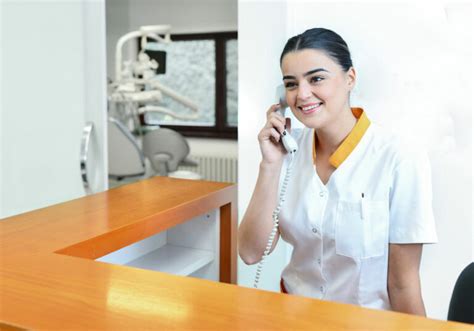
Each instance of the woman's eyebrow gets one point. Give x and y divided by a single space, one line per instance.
306 74
314 71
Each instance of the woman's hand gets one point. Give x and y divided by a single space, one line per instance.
269 137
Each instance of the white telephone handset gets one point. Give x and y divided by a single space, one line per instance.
288 141
291 147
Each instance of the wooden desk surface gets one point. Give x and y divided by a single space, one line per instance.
49 279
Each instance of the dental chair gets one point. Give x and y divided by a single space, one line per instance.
167 150
125 157
163 151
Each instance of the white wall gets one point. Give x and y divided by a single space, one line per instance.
186 16
117 24
53 81
413 78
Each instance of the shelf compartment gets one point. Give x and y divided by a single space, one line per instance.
174 259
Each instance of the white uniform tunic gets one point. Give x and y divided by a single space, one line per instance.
380 193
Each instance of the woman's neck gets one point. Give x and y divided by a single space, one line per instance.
331 137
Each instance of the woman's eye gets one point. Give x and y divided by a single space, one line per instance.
316 79
289 85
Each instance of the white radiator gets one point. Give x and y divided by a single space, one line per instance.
214 168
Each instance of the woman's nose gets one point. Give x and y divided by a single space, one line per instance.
304 91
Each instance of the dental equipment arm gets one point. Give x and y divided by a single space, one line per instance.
151 31
166 90
129 89
163 110
183 100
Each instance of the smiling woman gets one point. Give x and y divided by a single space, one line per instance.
358 206
327 78
330 73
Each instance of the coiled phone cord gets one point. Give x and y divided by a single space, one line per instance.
275 221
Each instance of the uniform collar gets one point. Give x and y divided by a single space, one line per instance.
351 141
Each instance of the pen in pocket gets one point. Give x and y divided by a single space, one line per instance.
363 211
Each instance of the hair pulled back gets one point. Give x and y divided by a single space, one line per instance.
324 40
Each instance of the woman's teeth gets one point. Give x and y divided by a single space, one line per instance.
310 109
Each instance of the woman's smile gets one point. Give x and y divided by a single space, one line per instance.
310 108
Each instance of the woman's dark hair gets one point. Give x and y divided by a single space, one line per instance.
321 39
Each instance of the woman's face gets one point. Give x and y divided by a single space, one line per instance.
317 88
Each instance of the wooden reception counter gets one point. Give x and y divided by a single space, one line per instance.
51 280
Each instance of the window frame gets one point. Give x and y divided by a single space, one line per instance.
220 130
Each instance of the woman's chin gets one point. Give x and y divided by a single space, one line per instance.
313 122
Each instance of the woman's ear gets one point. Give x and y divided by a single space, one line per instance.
351 78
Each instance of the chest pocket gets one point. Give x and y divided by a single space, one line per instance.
361 234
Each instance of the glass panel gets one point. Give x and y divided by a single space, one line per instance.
231 81
190 71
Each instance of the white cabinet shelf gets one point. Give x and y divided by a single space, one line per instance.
187 249
173 259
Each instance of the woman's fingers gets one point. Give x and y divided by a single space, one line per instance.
273 112
277 123
269 134
273 108
274 126
275 134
